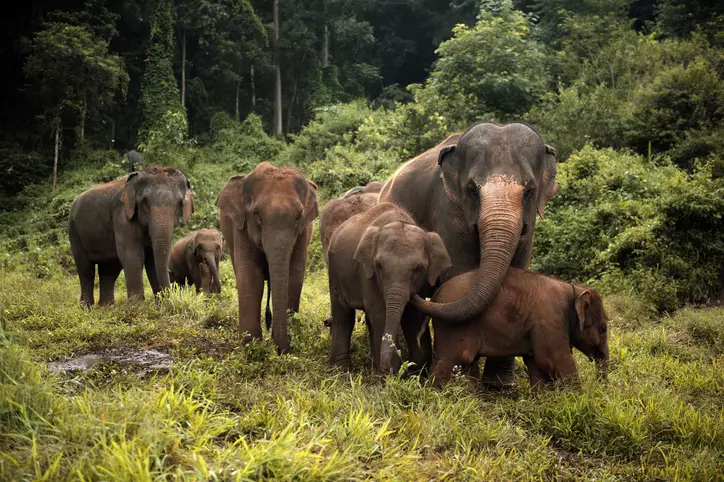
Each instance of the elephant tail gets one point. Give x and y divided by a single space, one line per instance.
268 313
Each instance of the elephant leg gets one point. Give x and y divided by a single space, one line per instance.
341 335
375 319
86 275
442 371
538 378
498 373
132 259
565 369
420 350
249 272
107 275
371 336
149 261
472 373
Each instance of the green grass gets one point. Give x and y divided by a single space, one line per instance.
223 412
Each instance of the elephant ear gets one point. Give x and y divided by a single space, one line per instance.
363 256
188 206
128 198
231 199
444 151
549 185
582 302
439 258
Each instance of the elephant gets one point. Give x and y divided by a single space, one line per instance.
480 191
127 224
195 259
267 219
377 261
372 187
135 159
534 316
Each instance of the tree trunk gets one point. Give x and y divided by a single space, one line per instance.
183 69
113 133
83 114
236 108
55 156
278 79
291 104
325 46
253 89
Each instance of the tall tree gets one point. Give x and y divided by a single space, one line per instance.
277 73
159 89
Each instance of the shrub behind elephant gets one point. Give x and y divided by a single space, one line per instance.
127 224
480 192
377 261
267 218
534 316
195 260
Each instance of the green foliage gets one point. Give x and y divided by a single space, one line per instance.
630 224
166 140
160 98
242 145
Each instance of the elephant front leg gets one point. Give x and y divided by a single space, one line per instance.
132 258
107 275
538 378
250 289
417 336
341 335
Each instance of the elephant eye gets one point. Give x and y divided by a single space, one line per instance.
299 216
603 329
418 269
473 190
257 215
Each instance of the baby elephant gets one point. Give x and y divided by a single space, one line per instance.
534 316
377 261
195 259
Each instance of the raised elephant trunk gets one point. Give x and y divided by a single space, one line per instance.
215 285
161 233
396 298
499 229
278 257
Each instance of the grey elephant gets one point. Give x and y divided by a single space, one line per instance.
377 261
127 225
195 260
480 191
267 218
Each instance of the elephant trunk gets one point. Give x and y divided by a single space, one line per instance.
499 229
279 257
161 233
601 359
396 298
215 285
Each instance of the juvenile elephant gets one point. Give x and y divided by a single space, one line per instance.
377 261
195 260
127 224
480 191
533 316
267 218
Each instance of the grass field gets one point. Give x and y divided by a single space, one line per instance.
222 412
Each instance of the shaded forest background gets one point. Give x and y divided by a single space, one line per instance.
629 93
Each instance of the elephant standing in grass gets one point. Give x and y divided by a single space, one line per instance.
195 259
480 191
127 224
534 316
377 261
267 218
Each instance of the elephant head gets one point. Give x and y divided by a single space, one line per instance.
156 198
207 246
401 257
589 328
273 205
499 177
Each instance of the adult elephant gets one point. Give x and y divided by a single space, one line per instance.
127 224
480 192
267 218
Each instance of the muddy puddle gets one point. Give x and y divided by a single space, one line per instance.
144 361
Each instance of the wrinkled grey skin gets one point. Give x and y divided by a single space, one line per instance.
377 261
480 191
195 260
127 224
267 218
135 159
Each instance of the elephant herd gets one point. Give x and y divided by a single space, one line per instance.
454 224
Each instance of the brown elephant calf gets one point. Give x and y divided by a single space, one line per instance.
195 260
533 316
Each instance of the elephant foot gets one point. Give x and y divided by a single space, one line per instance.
498 374
248 338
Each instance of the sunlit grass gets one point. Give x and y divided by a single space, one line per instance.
223 412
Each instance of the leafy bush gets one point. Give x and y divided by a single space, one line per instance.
242 145
629 224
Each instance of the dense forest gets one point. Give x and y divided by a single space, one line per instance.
628 93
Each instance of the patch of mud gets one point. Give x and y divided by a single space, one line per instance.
143 360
